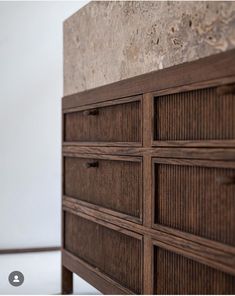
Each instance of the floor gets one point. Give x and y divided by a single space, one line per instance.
41 275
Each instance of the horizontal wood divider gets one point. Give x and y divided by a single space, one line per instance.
195 143
102 209
106 157
196 162
209 252
104 144
92 275
215 70
104 104
166 110
193 153
29 250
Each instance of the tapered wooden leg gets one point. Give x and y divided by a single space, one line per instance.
66 281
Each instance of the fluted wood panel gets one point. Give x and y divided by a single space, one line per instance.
117 123
155 216
202 114
197 200
175 274
113 253
114 184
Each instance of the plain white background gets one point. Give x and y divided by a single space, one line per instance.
31 84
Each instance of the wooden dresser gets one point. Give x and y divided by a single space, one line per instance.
148 203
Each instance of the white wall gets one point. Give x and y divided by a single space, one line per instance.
31 81
31 87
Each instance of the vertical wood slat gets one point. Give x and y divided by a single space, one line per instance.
192 199
176 274
116 123
195 115
116 185
115 254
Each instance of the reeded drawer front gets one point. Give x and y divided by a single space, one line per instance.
116 123
109 183
176 274
205 114
115 254
196 197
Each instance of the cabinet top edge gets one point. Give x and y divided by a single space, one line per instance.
215 67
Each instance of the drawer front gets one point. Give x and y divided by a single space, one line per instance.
116 123
196 199
114 253
112 184
176 274
205 114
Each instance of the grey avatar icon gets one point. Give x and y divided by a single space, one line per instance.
16 278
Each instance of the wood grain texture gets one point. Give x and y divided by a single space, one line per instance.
115 123
193 153
92 275
195 143
201 114
86 207
148 266
115 254
176 274
209 252
196 199
151 181
114 185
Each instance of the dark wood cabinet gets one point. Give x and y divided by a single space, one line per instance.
177 274
148 203
114 183
118 123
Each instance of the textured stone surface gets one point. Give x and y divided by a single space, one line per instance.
108 41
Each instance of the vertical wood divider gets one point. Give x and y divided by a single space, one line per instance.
147 104
148 266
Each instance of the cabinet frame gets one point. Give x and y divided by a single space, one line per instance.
215 70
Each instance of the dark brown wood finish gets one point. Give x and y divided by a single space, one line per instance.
113 183
116 254
149 186
92 275
67 283
196 197
115 123
176 274
197 115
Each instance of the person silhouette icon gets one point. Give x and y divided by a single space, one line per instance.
16 279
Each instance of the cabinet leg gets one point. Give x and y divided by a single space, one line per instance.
66 281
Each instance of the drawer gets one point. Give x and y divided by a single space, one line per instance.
196 196
198 115
177 274
118 123
110 182
117 254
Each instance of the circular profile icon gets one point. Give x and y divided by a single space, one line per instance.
16 278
